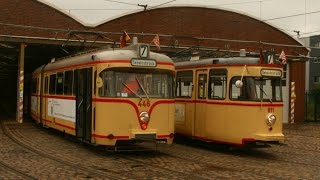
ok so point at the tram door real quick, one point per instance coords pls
(83, 88)
(200, 106)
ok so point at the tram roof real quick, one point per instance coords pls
(105, 54)
(227, 61)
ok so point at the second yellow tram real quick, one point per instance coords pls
(235, 100)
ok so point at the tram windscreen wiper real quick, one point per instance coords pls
(144, 91)
(131, 89)
(265, 94)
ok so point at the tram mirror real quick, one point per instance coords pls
(99, 82)
(239, 83)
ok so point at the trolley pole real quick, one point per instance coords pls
(20, 83)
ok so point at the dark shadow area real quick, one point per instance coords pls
(8, 97)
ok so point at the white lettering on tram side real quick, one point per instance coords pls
(62, 108)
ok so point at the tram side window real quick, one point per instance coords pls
(217, 84)
(202, 86)
(257, 89)
(34, 85)
(46, 85)
(52, 84)
(247, 92)
(184, 84)
(162, 85)
(68, 81)
(277, 95)
(108, 81)
(38, 87)
(59, 88)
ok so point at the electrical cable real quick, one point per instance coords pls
(247, 2)
(151, 34)
(120, 2)
(294, 15)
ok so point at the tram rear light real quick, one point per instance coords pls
(110, 136)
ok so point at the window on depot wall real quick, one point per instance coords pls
(284, 78)
(316, 60)
(316, 79)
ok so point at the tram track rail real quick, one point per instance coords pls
(250, 156)
(161, 167)
(149, 169)
(228, 166)
(21, 174)
(150, 166)
(178, 161)
(18, 173)
(87, 171)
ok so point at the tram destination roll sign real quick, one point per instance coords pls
(144, 62)
(270, 72)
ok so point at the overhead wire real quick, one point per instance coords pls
(152, 7)
(247, 2)
(310, 32)
(294, 15)
(151, 34)
(121, 2)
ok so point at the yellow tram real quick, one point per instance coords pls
(236, 100)
(89, 95)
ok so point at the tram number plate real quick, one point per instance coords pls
(145, 136)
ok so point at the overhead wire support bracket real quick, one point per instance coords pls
(144, 6)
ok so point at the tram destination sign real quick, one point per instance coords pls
(144, 62)
(271, 72)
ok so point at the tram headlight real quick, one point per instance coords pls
(271, 119)
(144, 117)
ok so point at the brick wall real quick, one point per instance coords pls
(33, 13)
(186, 22)
(181, 22)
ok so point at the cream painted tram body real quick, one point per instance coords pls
(82, 96)
(235, 100)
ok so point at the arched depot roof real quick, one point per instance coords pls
(205, 27)
(177, 26)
